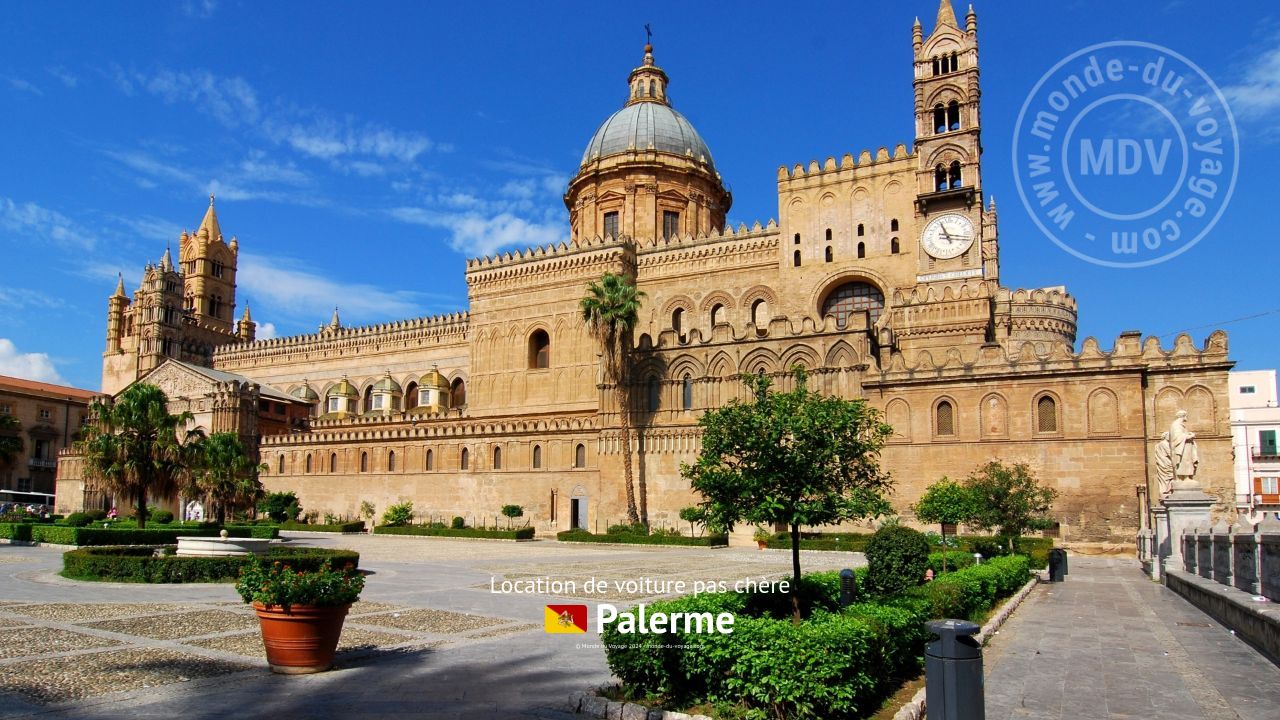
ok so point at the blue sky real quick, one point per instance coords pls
(361, 155)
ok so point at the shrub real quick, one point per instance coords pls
(63, 535)
(956, 559)
(437, 530)
(77, 520)
(367, 510)
(280, 506)
(280, 584)
(16, 531)
(353, 526)
(991, 547)
(143, 564)
(96, 515)
(629, 529)
(631, 538)
(163, 517)
(970, 592)
(897, 557)
(842, 542)
(458, 523)
(398, 514)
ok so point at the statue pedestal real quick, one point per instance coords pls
(1186, 507)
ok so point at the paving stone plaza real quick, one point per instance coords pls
(430, 639)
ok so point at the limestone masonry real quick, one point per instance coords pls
(881, 276)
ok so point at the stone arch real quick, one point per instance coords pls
(686, 364)
(1167, 404)
(837, 278)
(1047, 416)
(679, 302)
(994, 411)
(947, 154)
(898, 415)
(945, 94)
(945, 417)
(1104, 412)
(841, 355)
(802, 354)
(759, 360)
(759, 292)
(721, 366)
(1201, 410)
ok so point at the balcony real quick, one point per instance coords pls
(42, 464)
(1268, 454)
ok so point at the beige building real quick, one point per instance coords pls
(881, 275)
(48, 420)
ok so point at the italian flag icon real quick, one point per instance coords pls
(566, 618)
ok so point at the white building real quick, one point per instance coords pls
(1255, 425)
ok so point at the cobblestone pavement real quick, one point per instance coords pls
(429, 639)
(1108, 643)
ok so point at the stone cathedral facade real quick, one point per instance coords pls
(881, 276)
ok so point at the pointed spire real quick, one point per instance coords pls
(946, 16)
(917, 34)
(335, 323)
(166, 262)
(971, 21)
(246, 317)
(234, 244)
(209, 225)
(119, 286)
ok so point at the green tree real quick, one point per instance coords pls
(1009, 499)
(946, 502)
(796, 458)
(227, 474)
(10, 440)
(511, 512)
(694, 516)
(280, 506)
(136, 447)
(611, 310)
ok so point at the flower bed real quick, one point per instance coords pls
(354, 526)
(840, 663)
(142, 564)
(639, 539)
(524, 533)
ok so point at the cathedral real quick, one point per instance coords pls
(881, 276)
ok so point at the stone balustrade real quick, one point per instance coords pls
(1242, 555)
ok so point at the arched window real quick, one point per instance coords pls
(333, 462)
(936, 66)
(653, 89)
(457, 393)
(686, 393)
(677, 320)
(497, 458)
(391, 461)
(828, 234)
(411, 396)
(308, 462)
(893, 225)
(944, 419)
(953, 175)
(829, 255)
(1046, 414)
(853, 297)
(539, 350)
(797, 242)
(953, 115)
(364, 462)
(580, 456)
(861, 230)
(465, 461)
(760, 313)
(429, 460)
(939, 119)
(368, 399)
(940, 178)
(718, 315)
(280, 465)
(894, 247)
(862, 250)
(537, 457)
(654, 393)
(795, 259)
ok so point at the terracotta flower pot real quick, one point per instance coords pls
(302, 640)
(763, 544)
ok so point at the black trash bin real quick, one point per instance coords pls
(1057, 565)
(953, 672)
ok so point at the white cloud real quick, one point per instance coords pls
(250, 179)
(232, 101)
(13, 299)
(1258, 92)
(149, 227)
(25, 86)
(63, 75)
(287, 286)
(201, 9)
(475, 234)
(266, 331)
(30, 366)
(329, 139)
(27, 221)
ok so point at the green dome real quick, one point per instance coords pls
(386, 384)
(344, 389)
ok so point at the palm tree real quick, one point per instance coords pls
(227, 474)
(611, 310)
(133, 446)
(10, 440)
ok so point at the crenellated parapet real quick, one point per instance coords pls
(847, 169)
(438, 426)
(449, 328)
(551, 262)
(1040, 315)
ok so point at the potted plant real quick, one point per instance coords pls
(762, 537)
(300, 612)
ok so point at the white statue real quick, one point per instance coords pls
(1182, 448)
(1164, 466)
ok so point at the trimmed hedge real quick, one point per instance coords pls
(638, 539)
(87, 536)
(847, 542)
(1035, 548)
(524, 533)
(354, 526)
(141, 564)
(839, 664)
(956, 559)
(970, 592)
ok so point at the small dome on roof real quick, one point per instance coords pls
(386, 384)
(306, 393)
(344, 389)
(434, 379)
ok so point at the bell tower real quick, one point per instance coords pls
(209, 273)
(949, 149)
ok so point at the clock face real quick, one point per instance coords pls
(947, 236)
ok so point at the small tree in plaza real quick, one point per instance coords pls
(136, 448)
(1009, 499)
(511, 512)
(227, 474)
(280, 506)
(796, 458)
(695, 516)
(946, 502)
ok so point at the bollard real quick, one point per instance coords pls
(848, 587)
(953, 672)
(1057, 565)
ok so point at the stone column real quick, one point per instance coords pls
(1184, 508)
